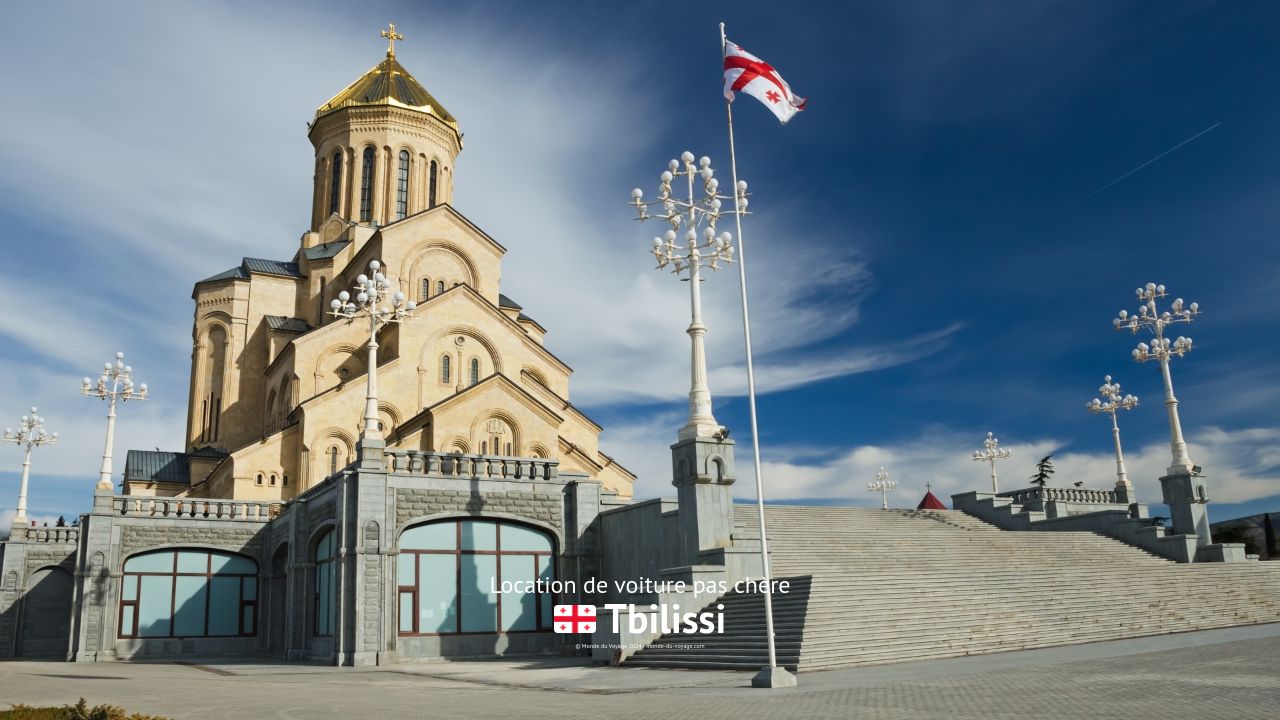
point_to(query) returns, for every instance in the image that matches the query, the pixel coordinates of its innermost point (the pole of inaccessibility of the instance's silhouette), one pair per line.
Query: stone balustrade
(485, 467)
(170, 507)
(1083, 496)
(70, 535)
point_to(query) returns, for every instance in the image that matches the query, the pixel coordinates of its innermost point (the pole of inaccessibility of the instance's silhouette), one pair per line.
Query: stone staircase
(873, 586)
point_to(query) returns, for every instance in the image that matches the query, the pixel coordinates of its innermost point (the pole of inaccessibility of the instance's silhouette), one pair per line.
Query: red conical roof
(931, 502)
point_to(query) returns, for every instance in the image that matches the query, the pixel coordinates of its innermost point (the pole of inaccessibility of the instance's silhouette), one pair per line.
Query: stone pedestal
(702, 468)
(773, 677)
(1187, 497)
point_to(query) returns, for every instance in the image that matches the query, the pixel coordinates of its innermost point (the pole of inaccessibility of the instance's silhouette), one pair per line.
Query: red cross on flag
(571, 619)
(749, 74)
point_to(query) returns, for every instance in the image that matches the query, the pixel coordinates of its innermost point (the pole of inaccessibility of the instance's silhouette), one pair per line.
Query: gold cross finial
(392, 36)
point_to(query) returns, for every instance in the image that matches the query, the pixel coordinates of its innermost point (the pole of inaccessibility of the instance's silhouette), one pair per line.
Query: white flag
(744, 72)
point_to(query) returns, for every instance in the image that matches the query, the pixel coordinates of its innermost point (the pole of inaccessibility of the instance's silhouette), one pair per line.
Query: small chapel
(278, 384)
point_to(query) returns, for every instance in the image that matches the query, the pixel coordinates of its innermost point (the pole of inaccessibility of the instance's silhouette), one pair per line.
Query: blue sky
(935, 249)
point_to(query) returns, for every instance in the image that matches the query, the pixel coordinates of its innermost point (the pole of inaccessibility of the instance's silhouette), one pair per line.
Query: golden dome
(388, 83)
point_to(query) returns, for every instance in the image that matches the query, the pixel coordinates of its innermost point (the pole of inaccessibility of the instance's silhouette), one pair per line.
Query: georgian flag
(749, 74)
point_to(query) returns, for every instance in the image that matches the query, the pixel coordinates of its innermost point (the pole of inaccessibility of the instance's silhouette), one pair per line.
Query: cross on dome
(392, 36)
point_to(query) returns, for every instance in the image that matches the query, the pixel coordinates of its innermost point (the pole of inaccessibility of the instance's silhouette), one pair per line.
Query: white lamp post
(30, 433)
(883, 485)
(1161, 349)
(1111, 403)
(991, 452)
(371, 293)
(703, 248)
(115, 383)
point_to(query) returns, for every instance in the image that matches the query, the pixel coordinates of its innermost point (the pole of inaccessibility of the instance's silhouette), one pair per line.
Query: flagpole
(772, 676)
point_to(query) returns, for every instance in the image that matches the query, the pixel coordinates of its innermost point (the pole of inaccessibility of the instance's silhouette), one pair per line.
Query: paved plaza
(1229, 673)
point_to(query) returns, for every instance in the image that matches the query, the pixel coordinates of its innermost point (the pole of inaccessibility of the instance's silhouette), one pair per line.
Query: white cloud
(1241, 465)
(151, 175)
(8, 514)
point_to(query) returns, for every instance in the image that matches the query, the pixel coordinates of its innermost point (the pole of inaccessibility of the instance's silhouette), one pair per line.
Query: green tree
(1044, 469)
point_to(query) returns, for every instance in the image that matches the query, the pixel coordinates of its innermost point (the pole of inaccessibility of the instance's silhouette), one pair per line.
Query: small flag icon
(570, 619)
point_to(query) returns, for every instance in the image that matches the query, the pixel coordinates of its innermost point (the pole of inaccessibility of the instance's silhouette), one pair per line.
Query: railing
(496, 467)
(52, 534)
(1070, 495)
(251, 510)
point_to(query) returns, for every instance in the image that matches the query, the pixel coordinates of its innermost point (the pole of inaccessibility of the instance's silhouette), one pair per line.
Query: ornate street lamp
(1160, 349)
(371, 293)
(1111, 403)
(115, 383)
(883, 485)
(991, 452)
(703, 247)
(31, 433)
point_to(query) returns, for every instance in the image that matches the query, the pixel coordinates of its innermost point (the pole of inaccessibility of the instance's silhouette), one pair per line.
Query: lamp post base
(773, 677)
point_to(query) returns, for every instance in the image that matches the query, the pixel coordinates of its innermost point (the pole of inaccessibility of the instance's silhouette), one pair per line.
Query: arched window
(402, 186)
(335, 183)
(333, 459)
(475, 371)
(259, 479)
(444, 369)
(284, 481)
(188, 593)
(273, 479)
(323, 558)
(439, 286)
(431, 185)
(426, 290)
(484, 447)
(366, 186)
(509, 453)
(447, 571)
(215, 361)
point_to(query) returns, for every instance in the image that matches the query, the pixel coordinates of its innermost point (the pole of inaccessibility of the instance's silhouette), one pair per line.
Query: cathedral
(277, 383)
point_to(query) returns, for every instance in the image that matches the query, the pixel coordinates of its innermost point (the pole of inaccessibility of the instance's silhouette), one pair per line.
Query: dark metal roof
(207, 451)
(156, 466)
(287, 324)
(525, 318)
(271, 267)
(323, 251)
(235, 273)
(506, 302)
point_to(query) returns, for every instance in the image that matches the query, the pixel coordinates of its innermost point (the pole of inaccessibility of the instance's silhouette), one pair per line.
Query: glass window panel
(479, 535)
(404, 569)
(519, 537)
(189, 597)
(436, 536)
(479, 602)
(234, 564)
(324, 548)
(250, 588)
(224, 605)
(155, 598)
(519, 610)
(324, 588)
(193, 562)
(126, 620)
(544, 572)
(130, 587)
(438, 594)
(246, 624)
(406, 612)
(151, 562)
